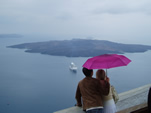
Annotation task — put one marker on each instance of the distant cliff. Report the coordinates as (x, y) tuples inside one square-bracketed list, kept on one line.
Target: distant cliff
[(10, 36), (80, 47)]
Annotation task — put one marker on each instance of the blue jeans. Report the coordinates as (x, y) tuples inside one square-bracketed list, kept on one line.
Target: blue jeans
[(100, 110)]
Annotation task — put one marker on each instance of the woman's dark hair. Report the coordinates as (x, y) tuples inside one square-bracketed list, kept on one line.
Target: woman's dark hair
[(87, 72)]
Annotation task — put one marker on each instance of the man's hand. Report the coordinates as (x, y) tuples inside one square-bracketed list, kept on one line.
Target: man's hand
[(79, 105)]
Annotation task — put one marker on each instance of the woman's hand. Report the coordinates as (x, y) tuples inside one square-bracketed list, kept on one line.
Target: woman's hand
[(107, 79)]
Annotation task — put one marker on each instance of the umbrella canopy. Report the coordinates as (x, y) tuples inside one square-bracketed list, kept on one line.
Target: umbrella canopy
[(106, 61)]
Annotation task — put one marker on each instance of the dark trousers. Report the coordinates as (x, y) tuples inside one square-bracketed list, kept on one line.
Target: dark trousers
[(100, 110)]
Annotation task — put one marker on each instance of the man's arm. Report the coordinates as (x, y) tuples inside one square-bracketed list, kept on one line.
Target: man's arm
[(105, 87), (78, 97)]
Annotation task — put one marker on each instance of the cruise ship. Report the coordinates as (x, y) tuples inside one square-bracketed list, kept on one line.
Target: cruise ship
[(73, 67)]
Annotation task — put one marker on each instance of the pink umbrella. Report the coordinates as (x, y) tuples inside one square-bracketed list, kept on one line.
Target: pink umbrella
[(106, 61)]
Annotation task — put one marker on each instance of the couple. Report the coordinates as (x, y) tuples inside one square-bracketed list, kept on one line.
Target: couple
[(94, 94)]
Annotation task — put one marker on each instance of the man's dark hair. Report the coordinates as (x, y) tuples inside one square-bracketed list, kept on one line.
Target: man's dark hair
[(87, 72)]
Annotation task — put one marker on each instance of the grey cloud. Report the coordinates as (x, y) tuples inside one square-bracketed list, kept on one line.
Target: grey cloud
[(122, 7), (64, 17), (96, 18)]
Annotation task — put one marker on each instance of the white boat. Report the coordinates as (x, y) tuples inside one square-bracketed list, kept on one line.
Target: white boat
[(73, 67)]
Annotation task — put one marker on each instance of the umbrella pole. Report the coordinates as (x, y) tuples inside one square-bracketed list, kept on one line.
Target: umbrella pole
[(106, 72)]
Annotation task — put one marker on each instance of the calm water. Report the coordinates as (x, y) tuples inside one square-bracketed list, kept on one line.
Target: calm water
[(35, 83)]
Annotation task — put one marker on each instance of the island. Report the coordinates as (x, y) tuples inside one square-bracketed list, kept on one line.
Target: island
[(80, 47), (10, 36)]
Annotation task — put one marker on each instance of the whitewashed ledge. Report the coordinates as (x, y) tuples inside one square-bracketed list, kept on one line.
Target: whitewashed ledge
[(129, 101)]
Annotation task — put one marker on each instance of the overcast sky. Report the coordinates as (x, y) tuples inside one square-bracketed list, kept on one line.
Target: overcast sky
[(126, 21)]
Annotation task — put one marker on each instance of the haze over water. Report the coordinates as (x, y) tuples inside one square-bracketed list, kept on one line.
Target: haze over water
[(36, 83)]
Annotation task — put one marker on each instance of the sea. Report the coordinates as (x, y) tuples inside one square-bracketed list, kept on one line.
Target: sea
[(37, 83)]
